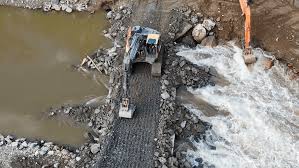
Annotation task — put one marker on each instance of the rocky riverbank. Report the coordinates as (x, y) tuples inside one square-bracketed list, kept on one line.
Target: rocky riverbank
[(60, 5), (21, 152)]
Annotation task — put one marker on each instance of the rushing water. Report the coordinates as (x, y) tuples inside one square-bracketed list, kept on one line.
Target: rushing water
[(36, 53), (260, 126)]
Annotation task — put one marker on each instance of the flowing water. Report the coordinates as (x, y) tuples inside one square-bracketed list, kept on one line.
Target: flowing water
[(259, 126), (36, 53)]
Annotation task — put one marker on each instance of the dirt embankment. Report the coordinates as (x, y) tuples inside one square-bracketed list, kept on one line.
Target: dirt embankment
[(275, 24)]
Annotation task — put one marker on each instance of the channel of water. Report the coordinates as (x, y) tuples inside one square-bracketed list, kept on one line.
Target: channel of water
[(37, 51)]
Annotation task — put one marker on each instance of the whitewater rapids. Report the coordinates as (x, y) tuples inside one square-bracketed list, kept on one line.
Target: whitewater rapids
[(259, 127)]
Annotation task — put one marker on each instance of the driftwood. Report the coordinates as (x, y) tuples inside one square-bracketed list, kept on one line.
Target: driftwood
[(95, 65)]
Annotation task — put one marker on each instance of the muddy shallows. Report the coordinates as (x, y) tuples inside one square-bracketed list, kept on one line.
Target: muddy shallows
[(37, 51)]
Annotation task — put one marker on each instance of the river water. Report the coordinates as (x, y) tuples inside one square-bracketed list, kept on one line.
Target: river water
[(36, 53), (256, 122)]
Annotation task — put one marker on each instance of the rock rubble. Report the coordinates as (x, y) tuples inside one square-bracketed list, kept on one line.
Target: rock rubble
[(176, 122), (12, 150)]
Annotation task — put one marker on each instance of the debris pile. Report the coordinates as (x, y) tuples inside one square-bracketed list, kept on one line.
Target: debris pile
[(44, 153), (102, 60), (177, 72), (190, 27), (177, 124)]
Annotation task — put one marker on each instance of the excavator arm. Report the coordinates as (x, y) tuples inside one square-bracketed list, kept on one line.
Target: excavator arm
[(126, 108), (249, 58)]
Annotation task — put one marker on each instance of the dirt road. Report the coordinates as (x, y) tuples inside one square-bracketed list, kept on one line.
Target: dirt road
[(132, 143)]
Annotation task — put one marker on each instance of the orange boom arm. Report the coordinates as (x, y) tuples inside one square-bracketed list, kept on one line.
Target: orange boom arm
[(247, 12)]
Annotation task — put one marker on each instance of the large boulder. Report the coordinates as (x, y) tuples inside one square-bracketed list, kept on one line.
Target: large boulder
[(183, 29), (199, 33), (95, 148), (47, 6), (56, 7), (208, 24), (165, 95), (68, 9)]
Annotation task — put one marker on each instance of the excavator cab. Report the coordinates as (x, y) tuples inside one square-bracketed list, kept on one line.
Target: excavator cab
[(152, 44), (153, 53)]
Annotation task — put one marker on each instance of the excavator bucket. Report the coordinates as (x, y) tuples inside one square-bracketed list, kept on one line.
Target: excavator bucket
[(126, 109), (249, 58)]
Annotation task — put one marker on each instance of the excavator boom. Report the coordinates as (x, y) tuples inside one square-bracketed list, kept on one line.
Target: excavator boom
[(249, 58)]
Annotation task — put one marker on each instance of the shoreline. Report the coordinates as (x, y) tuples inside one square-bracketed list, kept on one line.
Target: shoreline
[(67, 6)]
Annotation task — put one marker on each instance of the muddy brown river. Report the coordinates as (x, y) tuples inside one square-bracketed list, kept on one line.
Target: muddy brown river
[(36, 53)]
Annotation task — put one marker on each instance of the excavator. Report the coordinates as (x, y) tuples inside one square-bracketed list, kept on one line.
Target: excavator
[(249, 58), (142, 45)]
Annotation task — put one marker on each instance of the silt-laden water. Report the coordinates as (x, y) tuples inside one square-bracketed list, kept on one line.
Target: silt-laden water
[(37, 50)]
